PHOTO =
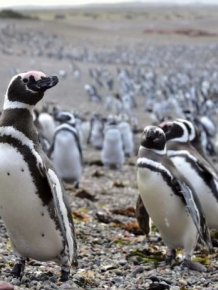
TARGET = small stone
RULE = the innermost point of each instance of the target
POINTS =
(137, 270)
(108, 267)
(122, 262)
(16, 281)
(117, 280)
(182, 282)
(69, 285)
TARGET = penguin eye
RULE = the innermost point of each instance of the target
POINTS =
(25, 81)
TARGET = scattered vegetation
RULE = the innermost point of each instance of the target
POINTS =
(9, 13)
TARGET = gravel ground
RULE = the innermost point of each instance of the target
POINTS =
(113, 253)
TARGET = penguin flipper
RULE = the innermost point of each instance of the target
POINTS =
(63, 214)
(195, 210)
(142, 216)
(210, 176)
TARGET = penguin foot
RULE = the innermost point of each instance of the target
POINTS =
(171, 257)
(195, 266)
(215, 243)
(18, 270)
(76, 185)
(64, 275)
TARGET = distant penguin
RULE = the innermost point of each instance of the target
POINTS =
(96, 134)
(127, 138)
(32, 201)
(47, 124)
(194, 167)
(43, 140)
(169, 199)
(112, 154)
(66, 151)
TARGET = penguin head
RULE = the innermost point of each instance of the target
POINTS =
(66, 117)
(175, 131)
(29, 87)
(192, 130)
(153, 138)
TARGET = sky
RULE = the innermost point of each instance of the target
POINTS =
(14, 3)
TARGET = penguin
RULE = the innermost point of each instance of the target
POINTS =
(43, 140)
(127, 138)
(66, 151)
(96, 134)
(47, 126)
(32, 199)
(196, 169)
(169, 199)
(112, 154)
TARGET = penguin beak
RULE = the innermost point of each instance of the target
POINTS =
(167, 128)
(43, 84)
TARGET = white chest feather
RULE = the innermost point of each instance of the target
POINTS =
(165, 209)
(66, 156)
(32, 231)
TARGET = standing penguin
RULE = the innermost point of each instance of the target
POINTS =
(32, 202)
(193, 166)
(96, 134)
(66, 151)
(170, 201)
(112, 154)
(127, 138)
(47, 125)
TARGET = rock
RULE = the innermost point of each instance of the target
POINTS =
(137, 270)
(108, 267)
(104, 217)
(98, 173)
(129, 211)
(83, 193)
(158, 286)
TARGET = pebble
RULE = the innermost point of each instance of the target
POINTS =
(183, 282)
(137, 270)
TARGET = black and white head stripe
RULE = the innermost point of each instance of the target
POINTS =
(26, 89)
(175, 131)
(190, 127)
(66, 117)
(153, 138)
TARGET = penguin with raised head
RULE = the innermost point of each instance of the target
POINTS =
(169, 199)
(66, 151)
(32, 200)
(196, 169)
